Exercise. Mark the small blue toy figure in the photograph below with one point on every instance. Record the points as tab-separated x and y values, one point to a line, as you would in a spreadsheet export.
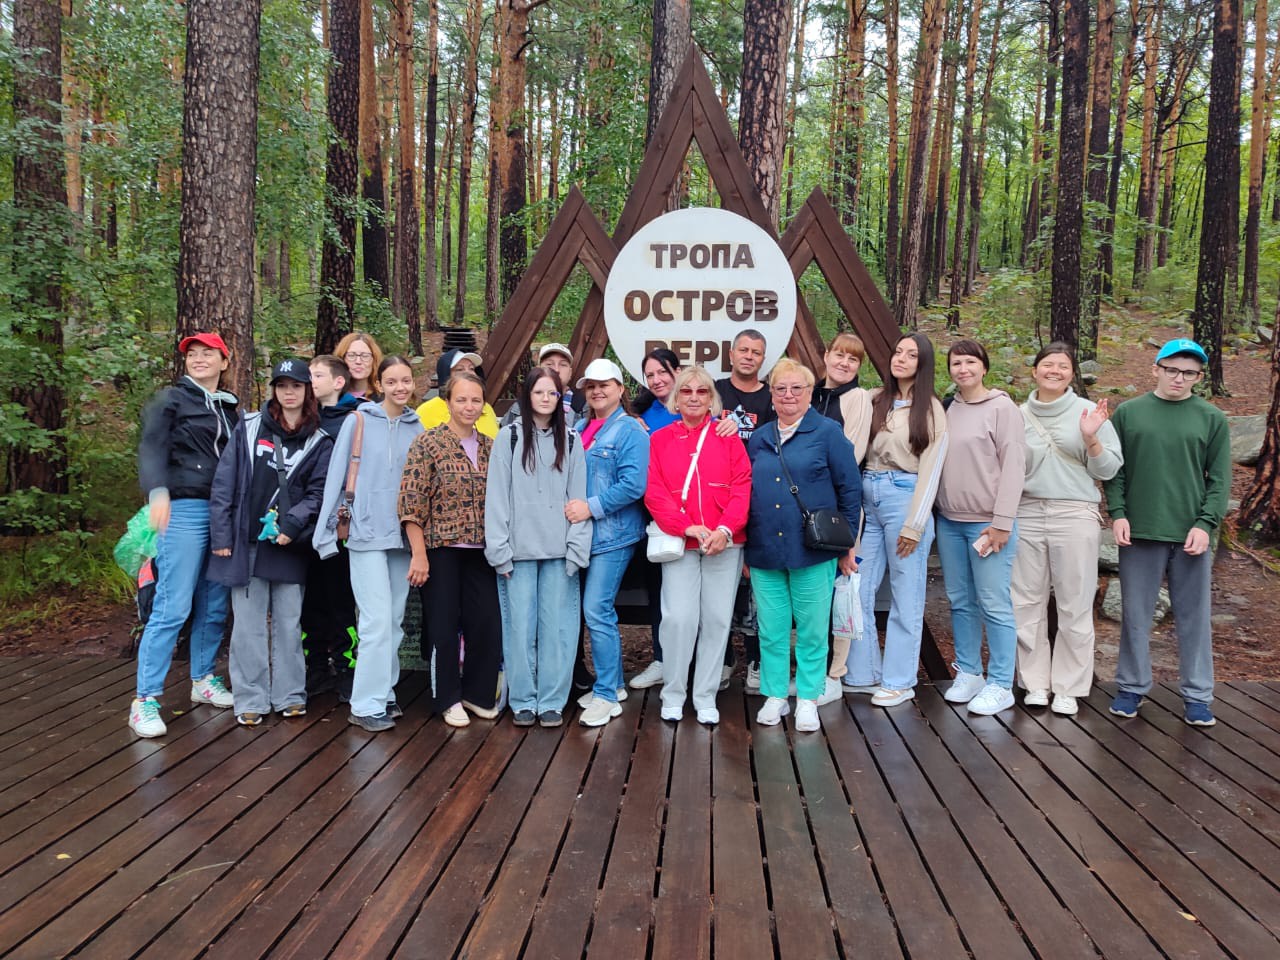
270	527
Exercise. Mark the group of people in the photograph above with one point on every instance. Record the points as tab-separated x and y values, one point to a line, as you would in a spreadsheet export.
315	516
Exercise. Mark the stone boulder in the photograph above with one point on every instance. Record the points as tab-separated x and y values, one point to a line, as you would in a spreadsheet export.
1090	367
1108	553
1246	438
1111	603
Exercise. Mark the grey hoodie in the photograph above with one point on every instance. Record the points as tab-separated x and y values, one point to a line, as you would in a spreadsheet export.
375	522
524	512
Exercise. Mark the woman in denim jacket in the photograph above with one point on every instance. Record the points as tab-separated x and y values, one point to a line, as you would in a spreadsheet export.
617	449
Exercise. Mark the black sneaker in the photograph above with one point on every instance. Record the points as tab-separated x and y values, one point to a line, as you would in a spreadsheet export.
550	718
375	724
523	718
393	710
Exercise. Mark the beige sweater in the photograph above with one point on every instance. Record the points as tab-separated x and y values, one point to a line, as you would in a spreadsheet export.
890	449
986	461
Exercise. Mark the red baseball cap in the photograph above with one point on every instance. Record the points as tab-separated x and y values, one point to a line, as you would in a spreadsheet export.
211	340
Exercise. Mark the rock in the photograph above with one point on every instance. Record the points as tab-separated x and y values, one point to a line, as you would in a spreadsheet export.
1089	378
1223	619
1266	334
1108	553
1007	353
1008	380
1112	605
1153	342
1246	438
1029	360
1238	600
1128	389
1091	367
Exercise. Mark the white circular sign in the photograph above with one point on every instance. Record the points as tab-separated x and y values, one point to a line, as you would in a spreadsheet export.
692	280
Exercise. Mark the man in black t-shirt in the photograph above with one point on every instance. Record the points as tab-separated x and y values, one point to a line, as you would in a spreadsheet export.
746	400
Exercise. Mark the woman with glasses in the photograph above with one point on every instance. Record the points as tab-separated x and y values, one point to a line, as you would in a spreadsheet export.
362	355
1070	447
535	469
800	458
699	489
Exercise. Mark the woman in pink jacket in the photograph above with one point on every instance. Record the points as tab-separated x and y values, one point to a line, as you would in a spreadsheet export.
699	488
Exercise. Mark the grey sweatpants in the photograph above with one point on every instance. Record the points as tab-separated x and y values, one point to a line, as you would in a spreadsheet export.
1142	566
268	670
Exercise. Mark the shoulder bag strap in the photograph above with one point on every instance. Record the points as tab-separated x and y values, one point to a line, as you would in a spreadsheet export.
795	491
688	478
353	465
283	504
1034	422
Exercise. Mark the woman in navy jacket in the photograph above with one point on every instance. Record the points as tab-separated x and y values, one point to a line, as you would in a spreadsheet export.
790	581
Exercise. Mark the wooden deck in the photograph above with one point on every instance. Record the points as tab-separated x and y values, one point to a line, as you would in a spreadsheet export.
915	832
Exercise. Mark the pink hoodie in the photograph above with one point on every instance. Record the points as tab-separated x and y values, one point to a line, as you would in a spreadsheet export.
986	455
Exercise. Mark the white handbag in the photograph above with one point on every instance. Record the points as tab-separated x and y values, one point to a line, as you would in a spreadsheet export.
664	547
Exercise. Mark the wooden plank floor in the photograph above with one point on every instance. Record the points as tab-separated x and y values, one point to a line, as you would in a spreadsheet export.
915	832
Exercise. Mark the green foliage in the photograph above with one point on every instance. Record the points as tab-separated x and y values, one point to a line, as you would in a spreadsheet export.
58	562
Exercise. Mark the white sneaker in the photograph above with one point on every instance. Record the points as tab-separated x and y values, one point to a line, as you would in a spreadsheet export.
725	673
144	718
885	697
774	709
991	700
870	689
831	692
709	716
965	687
674	714
213	691
599	712
1065	706
584	701
650	676
753	678
807	716
1036	698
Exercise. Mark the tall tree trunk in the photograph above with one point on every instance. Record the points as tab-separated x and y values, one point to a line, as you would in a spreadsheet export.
940	185
975	178
761	130
512	127
855	109
338	258
797	77
446	211
1064	320
1169	159
671	35
1144	246
373	188
1096	178
430	279
40	233
966	161
1257	159
1031	216
892	174
1221	187
1260	508
1106	250
1041	191
406	190
493	204
475	18
911	265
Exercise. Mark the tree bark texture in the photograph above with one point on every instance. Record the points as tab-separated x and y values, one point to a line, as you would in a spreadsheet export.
1260	507
911	263
430	280
406	190
1096	178
41	229
671	36
373	226
1221	188
1257	159
936	204
975	177
338	257
1064	311
892	175
797	78
761	126
855	109
1106	250
1144	246
219	166
966	160
475	18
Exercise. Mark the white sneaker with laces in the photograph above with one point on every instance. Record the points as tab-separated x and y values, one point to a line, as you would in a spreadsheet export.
831	692
884	697
774	709
965	687
753	678
1065	706
709	716
144	718
807	716
584	701
991	700
650	676
1036	698
599	712
213	691
674	714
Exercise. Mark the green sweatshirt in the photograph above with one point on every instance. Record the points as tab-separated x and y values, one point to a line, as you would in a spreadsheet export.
1177	467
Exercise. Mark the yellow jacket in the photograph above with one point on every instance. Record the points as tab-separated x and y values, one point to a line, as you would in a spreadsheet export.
436	411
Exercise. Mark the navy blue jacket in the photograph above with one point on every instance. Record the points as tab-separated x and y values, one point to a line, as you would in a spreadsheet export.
184	431
824	468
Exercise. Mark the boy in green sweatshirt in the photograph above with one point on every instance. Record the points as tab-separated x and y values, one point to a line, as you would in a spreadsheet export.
1165	502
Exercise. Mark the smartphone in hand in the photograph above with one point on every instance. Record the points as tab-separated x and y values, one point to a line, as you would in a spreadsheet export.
983	546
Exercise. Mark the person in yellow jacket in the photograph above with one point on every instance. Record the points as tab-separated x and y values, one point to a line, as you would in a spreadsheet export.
435	411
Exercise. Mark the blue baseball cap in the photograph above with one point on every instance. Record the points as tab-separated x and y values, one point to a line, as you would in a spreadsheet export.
1182	346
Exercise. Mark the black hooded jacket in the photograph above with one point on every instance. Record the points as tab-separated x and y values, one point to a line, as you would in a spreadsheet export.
184	431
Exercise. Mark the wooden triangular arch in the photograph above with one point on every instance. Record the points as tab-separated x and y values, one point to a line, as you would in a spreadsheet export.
693	113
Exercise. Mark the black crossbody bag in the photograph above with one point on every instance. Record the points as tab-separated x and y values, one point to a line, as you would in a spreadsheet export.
824	529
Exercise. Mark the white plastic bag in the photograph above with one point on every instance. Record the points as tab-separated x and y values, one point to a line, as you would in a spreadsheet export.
846	608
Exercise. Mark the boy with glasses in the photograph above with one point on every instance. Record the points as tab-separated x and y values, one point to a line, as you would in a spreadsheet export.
1166	501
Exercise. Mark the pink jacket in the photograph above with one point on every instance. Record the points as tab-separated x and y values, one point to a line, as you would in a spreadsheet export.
720	493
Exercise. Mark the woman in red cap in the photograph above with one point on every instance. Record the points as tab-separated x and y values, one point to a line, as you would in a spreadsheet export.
184	431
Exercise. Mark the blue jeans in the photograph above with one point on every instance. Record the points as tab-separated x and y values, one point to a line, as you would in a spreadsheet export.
886	498
380	583
604	577
181	591
539	604
978	591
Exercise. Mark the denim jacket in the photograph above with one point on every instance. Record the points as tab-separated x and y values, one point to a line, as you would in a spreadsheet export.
617	471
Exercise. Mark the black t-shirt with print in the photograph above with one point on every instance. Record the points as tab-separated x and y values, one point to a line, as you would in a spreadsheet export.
748	410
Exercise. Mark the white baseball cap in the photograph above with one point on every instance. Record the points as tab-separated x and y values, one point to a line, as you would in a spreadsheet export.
601	370
559	348
461	355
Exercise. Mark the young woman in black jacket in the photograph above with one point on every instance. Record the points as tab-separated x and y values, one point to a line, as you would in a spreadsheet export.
184	431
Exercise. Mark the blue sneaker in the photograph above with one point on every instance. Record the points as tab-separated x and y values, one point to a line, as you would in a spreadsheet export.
1197	714
1126	704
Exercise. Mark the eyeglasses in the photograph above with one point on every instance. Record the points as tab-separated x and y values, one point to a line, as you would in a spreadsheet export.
352	355
789	389
1177	373
694	392
546	394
